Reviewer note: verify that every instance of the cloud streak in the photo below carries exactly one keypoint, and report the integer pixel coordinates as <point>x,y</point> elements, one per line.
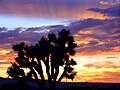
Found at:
<point>112,11</point>
<point>106,64</point>
<point>71,9</point>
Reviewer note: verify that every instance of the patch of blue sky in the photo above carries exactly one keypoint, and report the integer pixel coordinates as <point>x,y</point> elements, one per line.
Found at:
<point>12,22</point>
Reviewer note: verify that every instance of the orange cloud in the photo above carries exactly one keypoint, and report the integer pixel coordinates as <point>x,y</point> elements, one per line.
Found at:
<point>106,64</point>
<point>107,76</point>
<point>109,2</point>
<point>104,3</point>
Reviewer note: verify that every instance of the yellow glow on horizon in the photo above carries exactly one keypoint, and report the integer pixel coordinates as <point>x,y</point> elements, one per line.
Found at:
<point>3,51</point>
<point>3,74</point>
<point>81,42</point>
<point>85,31</point>
<point>84,74</point>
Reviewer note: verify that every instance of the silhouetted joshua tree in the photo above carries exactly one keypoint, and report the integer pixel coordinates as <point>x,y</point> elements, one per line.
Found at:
<point>53,51</point>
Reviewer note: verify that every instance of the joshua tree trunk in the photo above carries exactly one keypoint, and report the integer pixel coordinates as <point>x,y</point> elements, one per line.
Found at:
<point>39,69</point>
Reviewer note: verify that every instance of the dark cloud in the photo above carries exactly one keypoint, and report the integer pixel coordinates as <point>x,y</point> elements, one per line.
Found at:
<point>77,25</point>
<point>99,47</point>
<point>13,36</point>
<point>31,35</point>
<point>27,35</point>
<point>103,34</point>
<point>112,11</point>
<point>117,32</point>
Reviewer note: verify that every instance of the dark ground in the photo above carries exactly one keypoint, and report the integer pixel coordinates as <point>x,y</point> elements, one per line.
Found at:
<point>10,84</point>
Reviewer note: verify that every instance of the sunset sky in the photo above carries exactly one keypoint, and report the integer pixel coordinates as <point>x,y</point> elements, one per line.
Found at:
<point>95,25</point>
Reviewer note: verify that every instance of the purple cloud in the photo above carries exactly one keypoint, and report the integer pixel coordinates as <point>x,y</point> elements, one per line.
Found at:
<point>27,35</point>
<point>101,31</point>
<point>112,11</point>
<point>46,9</point>
<point>78,25</point>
